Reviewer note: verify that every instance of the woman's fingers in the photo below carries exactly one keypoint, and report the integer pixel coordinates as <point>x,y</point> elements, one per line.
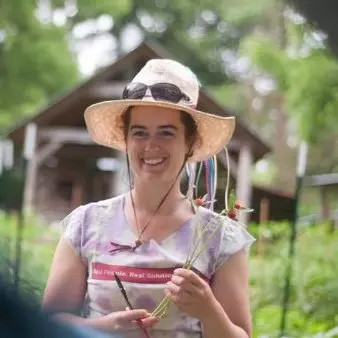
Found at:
<point>179,298</point>
<point>150,321</point>
<point>189,276</point>
<point>133,315</point>
<point>188,284</point>
<point>178,280</point>
<point>190,290</point>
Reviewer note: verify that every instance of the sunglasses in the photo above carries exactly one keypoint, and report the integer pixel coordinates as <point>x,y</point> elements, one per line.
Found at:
<point>159,91</point>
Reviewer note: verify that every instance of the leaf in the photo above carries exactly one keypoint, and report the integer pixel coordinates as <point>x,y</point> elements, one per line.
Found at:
<point>232,199</point>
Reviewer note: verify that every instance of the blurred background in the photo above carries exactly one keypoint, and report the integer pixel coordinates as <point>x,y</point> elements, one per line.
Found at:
<point>273,64</point>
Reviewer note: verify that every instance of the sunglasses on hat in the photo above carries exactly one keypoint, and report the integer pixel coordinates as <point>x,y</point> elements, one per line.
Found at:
<point>159,91</point>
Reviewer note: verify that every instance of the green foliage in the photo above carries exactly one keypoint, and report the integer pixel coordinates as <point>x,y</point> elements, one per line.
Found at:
<point>266,177</point>
<point>38,245</point>
<point>230,96</point>
<point>310,83</point>
<point>313,303</point>
<point>197,33</point>
<point>11,189</point>
<point>317,280</point>
<point>244,11</point>
<point>312,96</point>
<point>268,57</point>
<point>35,62</point>
<point>116,7</point>
<point>323,156</point>
<point>271,231</point>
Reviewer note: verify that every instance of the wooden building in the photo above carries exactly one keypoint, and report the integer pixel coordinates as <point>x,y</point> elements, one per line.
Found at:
<point>66,170</point>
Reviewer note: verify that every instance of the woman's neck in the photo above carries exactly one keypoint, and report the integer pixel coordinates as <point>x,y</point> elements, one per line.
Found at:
<point>147,197</point>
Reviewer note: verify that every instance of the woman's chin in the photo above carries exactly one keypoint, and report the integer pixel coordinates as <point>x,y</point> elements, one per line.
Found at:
<point>151,175</point>
<point>155,177</point>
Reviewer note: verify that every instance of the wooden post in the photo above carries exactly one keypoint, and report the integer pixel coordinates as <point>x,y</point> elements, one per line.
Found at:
<point>120,183</point>
<point>30,184</point>
<point>324,204</point>
<point>263,218</point>
<point>264,210</point>
<point>244,188</point>
<point>77,193</point>
<point>32,172</point>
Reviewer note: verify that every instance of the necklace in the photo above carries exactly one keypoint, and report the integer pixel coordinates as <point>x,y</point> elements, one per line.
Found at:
<point>138,242</point>
<point>141,231</point>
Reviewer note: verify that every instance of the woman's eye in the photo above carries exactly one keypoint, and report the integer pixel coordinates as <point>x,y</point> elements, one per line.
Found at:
<point>167,133</point>
<point>139,134</point>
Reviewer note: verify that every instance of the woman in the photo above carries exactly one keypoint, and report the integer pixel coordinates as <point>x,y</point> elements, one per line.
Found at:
<point>144,236</point>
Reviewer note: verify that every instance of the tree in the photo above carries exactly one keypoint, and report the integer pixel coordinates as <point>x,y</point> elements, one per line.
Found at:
<point>35,62</point>
<point>198,33</point>
<point>305,75</point>
<point>202,34</point>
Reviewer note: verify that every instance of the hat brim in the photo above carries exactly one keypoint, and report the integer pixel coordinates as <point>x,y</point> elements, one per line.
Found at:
<point>104,124</point>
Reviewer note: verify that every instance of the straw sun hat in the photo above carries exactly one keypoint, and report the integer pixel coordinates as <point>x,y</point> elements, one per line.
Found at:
<point>104,122</point>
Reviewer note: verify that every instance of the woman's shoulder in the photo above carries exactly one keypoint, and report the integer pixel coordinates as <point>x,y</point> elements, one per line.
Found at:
<point>229,229</point>
<point>101,205</point>
<point>79,226</point>
<point>85,213</point>
<point>106,203</point>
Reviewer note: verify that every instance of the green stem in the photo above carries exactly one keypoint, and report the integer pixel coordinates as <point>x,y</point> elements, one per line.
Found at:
<point>196,214</point>
<point>189,262</point>
<point>162,306</point>
<point>205,246</point>
<point>228,179</point>
<point>205,228</point>
<point>195,238</point>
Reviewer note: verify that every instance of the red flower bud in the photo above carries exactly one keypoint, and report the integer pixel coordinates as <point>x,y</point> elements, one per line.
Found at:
<point>232,214</point>
<point>237,206</point>
<point>199,201</point>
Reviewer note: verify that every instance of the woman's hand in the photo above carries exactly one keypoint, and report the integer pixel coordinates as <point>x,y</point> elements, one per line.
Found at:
<point>128,318</point>
<point>191,294</point>
<point>114,321</point>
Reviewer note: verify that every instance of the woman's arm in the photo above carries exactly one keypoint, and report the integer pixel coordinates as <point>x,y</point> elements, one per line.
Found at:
<point>66,289</point>
<point>223,307</point>
<point>231,316</point>
<point>67,281</point>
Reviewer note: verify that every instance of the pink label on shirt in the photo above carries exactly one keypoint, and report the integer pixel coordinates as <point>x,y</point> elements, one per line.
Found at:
<point>101,271</point>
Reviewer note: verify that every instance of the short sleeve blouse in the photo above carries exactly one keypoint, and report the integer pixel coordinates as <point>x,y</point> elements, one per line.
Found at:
<point>95,229</point>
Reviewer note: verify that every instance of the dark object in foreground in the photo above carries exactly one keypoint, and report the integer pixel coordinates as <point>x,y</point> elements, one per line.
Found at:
<point>22,318</point>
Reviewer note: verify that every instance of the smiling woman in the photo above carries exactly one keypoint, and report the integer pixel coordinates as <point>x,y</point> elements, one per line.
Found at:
<point>144,236</point>
<point>157,138</point>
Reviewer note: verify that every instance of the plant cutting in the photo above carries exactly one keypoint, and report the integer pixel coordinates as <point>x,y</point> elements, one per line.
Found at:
<point>203,234</point>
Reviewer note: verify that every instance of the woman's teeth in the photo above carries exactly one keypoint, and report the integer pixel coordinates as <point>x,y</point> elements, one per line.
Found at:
<point>153,161</point>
